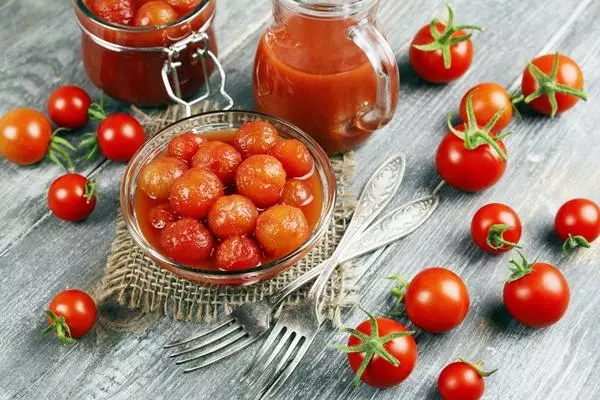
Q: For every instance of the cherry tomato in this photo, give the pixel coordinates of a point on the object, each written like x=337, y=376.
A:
x=577, y=223
x=115, y=11
x=219, y=158
x=462, y=380
x=388, y=355
x=184, y=146
x=297, y=193
x=157, y=177
x=71, y=314
x=294, y=156
x=536, y=295
x=72, y=197
x=161, y=215
x=470, y=170
x=68, y=106
x=496, y=228
x=441, y=52
x=186, y=241
x=487, y=100
x=25, y=136
x=255, y=137
x=237, y=253
x=194, y=193
x=436, y=300
x=552, y=83
x=154, y=13
x=184, y=6
x=281, y=229
x=120, y=136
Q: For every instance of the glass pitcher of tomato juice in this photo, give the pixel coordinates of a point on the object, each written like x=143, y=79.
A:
x=326, y=67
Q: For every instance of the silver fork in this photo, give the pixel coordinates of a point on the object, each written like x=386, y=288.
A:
x=298, y=324
x=249, y=321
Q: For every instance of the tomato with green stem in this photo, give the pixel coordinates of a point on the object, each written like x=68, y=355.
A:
x=68, y=106
x=441, y=53
x=552, y=83
x=496, y=228
x=26, y=138
x=71, y=314
x=72, y=197
x=536, y=294
x=487, y=99
x=472, y=158
x=577, y=223
x=436, y=300
x=381, y=352
x=462, y=380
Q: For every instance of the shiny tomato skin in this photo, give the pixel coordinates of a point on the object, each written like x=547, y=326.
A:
x=25, y=135
x=488, y=98
x=460, y=381
x=67, y=198
x=429, y=65
x=437, y=300
x=116, y=11
x=120, y=136
x=68, y=106
x=493, y=214
x=237, y=253
x=568, y=74
x=469, y=170
x=187, y=241
x=538, y=299
x=578, y=217
x=154, y=13
x=380, y=373
x=184, y=146
x=78, y=309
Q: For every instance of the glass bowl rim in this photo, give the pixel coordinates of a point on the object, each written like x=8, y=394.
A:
x=321, y=159
x=82, y=6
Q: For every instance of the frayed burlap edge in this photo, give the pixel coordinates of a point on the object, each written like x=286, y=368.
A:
x=133, y=280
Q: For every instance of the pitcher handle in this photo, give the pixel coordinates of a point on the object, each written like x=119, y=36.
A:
x=372, y=42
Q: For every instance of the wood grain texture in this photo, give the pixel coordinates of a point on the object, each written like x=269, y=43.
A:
x=550, y=162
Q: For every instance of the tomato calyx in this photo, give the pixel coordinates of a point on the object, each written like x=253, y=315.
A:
x=495, y=237
x=59, y=325
x=97, y=111
x=474, y=136
x=444, y=41
x=549, y=86
x=574, y=242
x=520, y=269
x=371, y=346
x=59, y=149
x=398, y=291
x=89, y=141
x=90, y=190
x=478, y=366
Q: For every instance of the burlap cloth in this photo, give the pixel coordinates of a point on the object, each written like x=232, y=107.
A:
x=133, y=280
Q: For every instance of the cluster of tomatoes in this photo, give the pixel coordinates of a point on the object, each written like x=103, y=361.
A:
x=236, y=204
x=27, y=137
x=472, y=157
x=141, y=12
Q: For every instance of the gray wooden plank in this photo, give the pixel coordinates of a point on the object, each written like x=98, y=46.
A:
x=132, y=365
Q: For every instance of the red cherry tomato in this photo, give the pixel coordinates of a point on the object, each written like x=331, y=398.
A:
x=115, y=11
x=385, y=362
x=184, y=146
x=462, y=380
x=72, y=197
x=68, y=107
x=536, y=295
x=552, y=78
x=496, y=228
x=441, y=52
x=154, y=13
x=237, y=253
x=577, y=222
x=161, y=215
x=120, y=136
x=71, y=314
x=184, y=6
x=469, y=170
x=25, y=135
x=436, y=300
x=487, y=100
x=187, y=241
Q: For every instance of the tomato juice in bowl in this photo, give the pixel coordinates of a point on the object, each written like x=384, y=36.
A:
x=256, y=237
x=131, y=63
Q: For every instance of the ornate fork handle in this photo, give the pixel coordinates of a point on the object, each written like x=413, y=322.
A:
x=377, y=193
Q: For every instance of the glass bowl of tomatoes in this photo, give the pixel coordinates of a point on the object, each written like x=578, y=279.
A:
x=228, y=197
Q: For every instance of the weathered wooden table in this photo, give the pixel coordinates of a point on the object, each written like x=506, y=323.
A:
x=552, y=160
